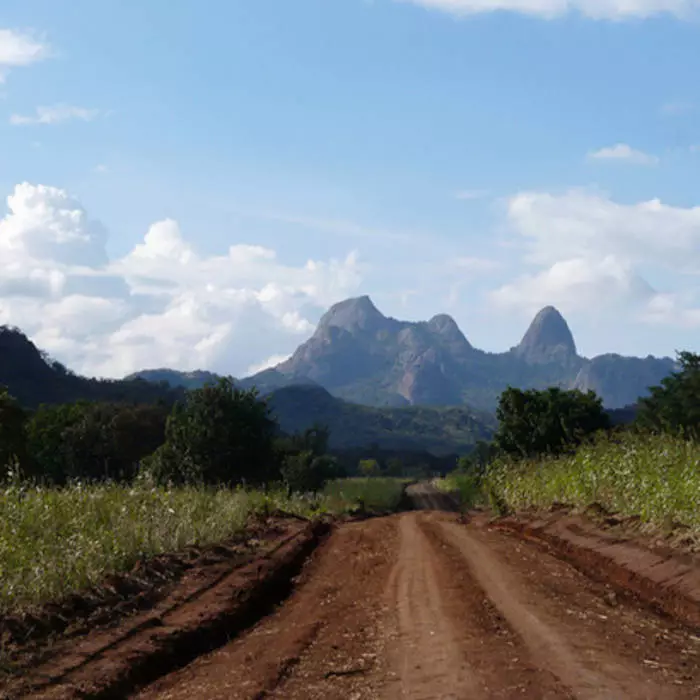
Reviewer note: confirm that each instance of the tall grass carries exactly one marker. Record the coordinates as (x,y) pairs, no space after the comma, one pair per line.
(656,477)
(372,493)
(58,541)
(467,487)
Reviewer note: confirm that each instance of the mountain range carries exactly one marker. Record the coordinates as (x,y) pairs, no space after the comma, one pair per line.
(32,377)
(358,354)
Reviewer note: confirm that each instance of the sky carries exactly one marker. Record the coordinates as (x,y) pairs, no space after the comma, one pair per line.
(192,184)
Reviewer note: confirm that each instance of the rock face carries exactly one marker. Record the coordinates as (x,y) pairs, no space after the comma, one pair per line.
(547,340)
(622,380)
(359,354)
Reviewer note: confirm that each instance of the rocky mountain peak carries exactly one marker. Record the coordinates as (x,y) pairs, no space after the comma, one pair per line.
(353,315)
(446,327)
(548,339)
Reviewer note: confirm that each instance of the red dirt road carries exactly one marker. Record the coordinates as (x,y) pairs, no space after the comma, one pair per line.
(421,605)
(413,606)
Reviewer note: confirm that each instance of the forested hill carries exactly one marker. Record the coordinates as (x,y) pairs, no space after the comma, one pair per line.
(33,378)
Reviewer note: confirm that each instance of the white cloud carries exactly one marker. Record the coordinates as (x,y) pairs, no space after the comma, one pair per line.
(579,223)
(623,152)
(101,169)
(574,285)
(56,114)
(19,49)
(162,303)
(549,9)
(267,364)
(590,252)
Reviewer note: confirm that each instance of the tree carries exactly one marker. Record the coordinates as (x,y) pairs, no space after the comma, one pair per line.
(369,467)
(93,441)
(12,430)
(306,471)
(219,434)
(674,405)
(534,422)
(477,460)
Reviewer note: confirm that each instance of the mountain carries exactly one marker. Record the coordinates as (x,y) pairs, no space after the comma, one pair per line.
(619,378)
(33,378)
(362,356)
(548,340)
(186,380)
(440,431)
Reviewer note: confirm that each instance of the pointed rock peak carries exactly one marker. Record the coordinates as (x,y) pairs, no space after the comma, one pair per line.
(548,339)
(358,313)
(446,326)
(443,323)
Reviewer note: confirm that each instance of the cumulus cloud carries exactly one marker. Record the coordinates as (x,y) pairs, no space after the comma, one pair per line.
(267,364)
(56,114)
(549,9)
(589,252)
(623,152)
(160,304)
(19,49)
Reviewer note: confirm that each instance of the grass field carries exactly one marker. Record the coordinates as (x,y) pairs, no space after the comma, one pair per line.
(54,542)
(654,477)
(57,541)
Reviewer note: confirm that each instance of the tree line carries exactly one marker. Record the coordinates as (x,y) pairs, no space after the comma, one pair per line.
(534,423)
(222,434)
(219,434)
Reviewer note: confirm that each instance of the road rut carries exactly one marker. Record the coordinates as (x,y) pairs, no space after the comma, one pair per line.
(425,605)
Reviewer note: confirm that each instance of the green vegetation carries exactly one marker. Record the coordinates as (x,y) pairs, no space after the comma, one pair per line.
(650,470)
(656,477)
(467,486)
(674,406)
(218,435)
(57,541)
(451,430)
(535,423)
(367,494)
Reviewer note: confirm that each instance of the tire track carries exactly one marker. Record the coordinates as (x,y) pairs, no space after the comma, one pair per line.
(584,663)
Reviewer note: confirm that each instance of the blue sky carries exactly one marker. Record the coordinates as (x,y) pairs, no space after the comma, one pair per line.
(193,183)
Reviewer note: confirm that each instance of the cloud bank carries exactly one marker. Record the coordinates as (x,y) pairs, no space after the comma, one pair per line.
(590,253)
(162,304)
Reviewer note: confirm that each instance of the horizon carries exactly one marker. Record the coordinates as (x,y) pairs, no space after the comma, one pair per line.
(192,190)
(194,370)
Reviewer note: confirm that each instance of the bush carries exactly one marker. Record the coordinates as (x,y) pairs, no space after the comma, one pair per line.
(306,472)
(674,406)
(218,435)
(534,422)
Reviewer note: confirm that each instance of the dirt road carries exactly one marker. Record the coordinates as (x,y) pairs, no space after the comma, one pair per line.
(423,605)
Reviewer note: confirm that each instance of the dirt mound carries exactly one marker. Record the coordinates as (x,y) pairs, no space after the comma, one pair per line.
(222,592)
(667,580)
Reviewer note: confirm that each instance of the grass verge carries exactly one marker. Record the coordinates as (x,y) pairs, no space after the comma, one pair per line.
(54,542)
(468,488)
(655,477)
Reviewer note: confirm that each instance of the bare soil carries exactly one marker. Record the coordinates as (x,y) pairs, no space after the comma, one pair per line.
(424,604)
